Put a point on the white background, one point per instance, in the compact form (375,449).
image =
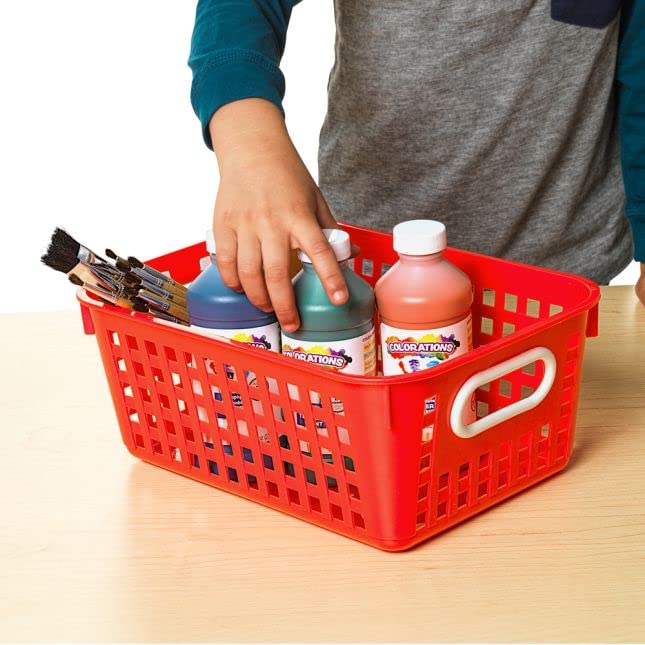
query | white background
(97,134)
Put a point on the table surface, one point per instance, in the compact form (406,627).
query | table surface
(95,545)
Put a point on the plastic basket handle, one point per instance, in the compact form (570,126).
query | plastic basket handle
(467,390)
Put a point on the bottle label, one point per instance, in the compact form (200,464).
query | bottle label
(267,337)
(352,356)
(406,351)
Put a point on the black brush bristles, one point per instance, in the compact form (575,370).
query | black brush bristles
(74,279)
(62,252)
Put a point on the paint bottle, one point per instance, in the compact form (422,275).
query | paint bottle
(424,302)
(337,337)
(220,311)
(212,306)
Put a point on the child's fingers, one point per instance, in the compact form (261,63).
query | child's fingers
(275,258)
(249,269)
(226,256)
(312,241)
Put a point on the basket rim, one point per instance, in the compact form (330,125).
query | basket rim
(586,304)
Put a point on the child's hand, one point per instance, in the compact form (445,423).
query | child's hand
(267,204)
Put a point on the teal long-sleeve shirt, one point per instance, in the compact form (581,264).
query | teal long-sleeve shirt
(237,46)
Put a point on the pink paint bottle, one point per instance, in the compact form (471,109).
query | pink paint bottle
(424,302)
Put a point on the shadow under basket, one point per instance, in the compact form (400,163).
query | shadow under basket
(383,460)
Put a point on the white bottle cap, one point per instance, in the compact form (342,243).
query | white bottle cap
(339,242)
(419,237)
(210,242)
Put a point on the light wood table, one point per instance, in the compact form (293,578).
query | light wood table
(97,546)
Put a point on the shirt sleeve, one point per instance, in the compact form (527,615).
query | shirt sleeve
(235,53)
(630,76)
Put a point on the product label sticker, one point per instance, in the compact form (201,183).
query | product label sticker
(406,351)
(352,356)
(267,337)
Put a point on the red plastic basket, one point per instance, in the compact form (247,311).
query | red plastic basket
(395,467)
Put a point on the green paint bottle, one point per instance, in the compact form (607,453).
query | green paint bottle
(337,337)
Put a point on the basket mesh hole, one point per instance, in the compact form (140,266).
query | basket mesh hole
(121,365)
(510,302)
(242,427)
(152,420)
(336,511)
(533,308)
(212,467)
(164,401)
(484,460)
(526,391)
(138,440)
(544,431)
(247,455)
(385,268)
(170,426)
(353,491)
(314,503)
(194,460)
(230,372)
(175,454)
(343,435)
(188,435)
(505,387)
(421,520)
(294,392)
(232,474)
(294,498)
(134,416)
(272,489)
(267,460)
(310,475)
(463,470)
(482,409)
(252,481)
(272,385)
(425,462)
(554,309)
(289,470)
(482,489)
(151,348)
(181,404)
(321,428)
(442,509)
(489,297)
(131,342)
(508,328)
(462,499)
(486,325)
(367,267)
(529,369)
(171,355)
(349,464)
(443,481)
(114,338)
(358,520)
(256,404)
(423,491)
(430,405)
(278,413)
(176,379)
(427,433)
(127,390)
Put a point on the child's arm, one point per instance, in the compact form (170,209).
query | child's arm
(267,202)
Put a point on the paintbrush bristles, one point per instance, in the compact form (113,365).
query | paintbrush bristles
(62,252)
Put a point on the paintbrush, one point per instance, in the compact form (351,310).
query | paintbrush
(104,294)
(163,306)
(147,273)
(143,308)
